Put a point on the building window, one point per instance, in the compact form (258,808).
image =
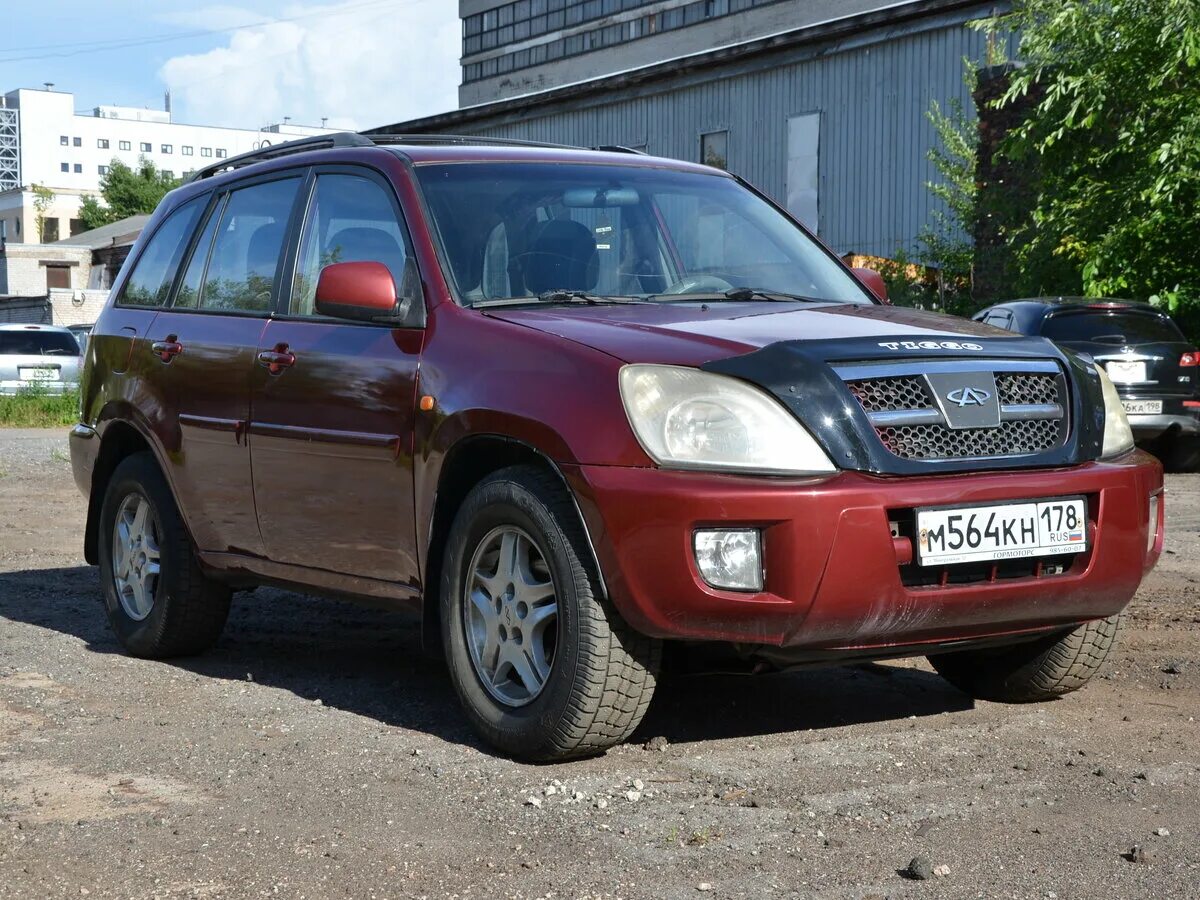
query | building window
(64,167)
(103,170)
(50,235)
(77,142)
(125,145)
(78,168)
(220,153)
(146,148)
(714,149)
(102,143)
(167,148)
(168,173)
(64,140)
(77,227)
(186,150)
(206,151)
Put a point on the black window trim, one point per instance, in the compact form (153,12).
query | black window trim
(219,197)
(296,234)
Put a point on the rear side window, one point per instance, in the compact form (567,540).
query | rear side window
(247,245)
(37,343)
(1116,328)
(150,281)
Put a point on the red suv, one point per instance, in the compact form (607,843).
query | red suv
(570,405)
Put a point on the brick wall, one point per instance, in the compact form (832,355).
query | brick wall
(25,311)
(23,267)
(76,307)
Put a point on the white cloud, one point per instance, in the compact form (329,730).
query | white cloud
(359,63)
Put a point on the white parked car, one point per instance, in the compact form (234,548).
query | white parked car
(34,357)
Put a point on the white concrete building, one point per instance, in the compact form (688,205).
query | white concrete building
(45,142)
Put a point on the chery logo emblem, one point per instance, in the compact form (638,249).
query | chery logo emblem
(968,397)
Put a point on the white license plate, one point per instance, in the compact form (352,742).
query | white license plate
(1142,407)
(1126,372)
(1007,531)
(25,373)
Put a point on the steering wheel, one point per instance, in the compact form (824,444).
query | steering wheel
(700,284)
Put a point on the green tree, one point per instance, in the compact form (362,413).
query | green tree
(1114,135)
(126,192)
(946,243)
(43,199)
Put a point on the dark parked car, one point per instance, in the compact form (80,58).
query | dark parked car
(1156,369)
(569,405)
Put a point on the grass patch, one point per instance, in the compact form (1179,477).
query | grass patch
(36,408)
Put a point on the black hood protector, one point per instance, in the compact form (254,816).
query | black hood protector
(801,375)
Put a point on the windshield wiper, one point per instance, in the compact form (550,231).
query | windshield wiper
(556,296)
(747,293)
(740,295)
(563,296)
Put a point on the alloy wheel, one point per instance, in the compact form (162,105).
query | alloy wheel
(511,616)
(135,558)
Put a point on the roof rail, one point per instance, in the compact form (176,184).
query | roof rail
(464,139)
(300,145)
(619,148)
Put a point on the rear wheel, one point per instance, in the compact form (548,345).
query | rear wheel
(1033,671)
(158,601)
(543,665)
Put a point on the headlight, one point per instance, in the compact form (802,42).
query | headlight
(1118,436)
(688,419)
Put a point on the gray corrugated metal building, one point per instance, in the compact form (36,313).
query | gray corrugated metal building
(828,118)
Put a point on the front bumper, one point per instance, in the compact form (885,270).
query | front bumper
(834,574)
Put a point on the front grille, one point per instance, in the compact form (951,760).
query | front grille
(900,402)
(882,394)
(1027,388)
(939,442)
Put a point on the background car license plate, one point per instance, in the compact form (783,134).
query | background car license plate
(25,373)
(1126,372)
(1142,407)
(1006,531)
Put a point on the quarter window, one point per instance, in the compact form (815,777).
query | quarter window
(350,219)
(247,247)
(150,281)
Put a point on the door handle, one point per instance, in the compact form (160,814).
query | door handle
(168,349)
(275,361)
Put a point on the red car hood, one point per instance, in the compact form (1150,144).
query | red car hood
(691,334)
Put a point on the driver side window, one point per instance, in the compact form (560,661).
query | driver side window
(350,219)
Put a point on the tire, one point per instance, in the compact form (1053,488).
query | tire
(178,612)
(598,675)
(1035,671)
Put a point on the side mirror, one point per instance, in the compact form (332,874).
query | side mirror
(366,292)
(873,282)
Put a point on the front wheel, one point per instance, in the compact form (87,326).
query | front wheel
(543,665)
(1038,670)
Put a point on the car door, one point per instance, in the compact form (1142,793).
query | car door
(204,346)
(334,401)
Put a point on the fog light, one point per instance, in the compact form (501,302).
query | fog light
(1152,525)
(730,559)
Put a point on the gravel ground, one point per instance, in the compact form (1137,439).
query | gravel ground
(315,753)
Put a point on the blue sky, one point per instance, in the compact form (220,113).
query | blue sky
(246,63)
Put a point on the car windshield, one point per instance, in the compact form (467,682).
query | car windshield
(1112,327)
(514,231)
(38,343)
